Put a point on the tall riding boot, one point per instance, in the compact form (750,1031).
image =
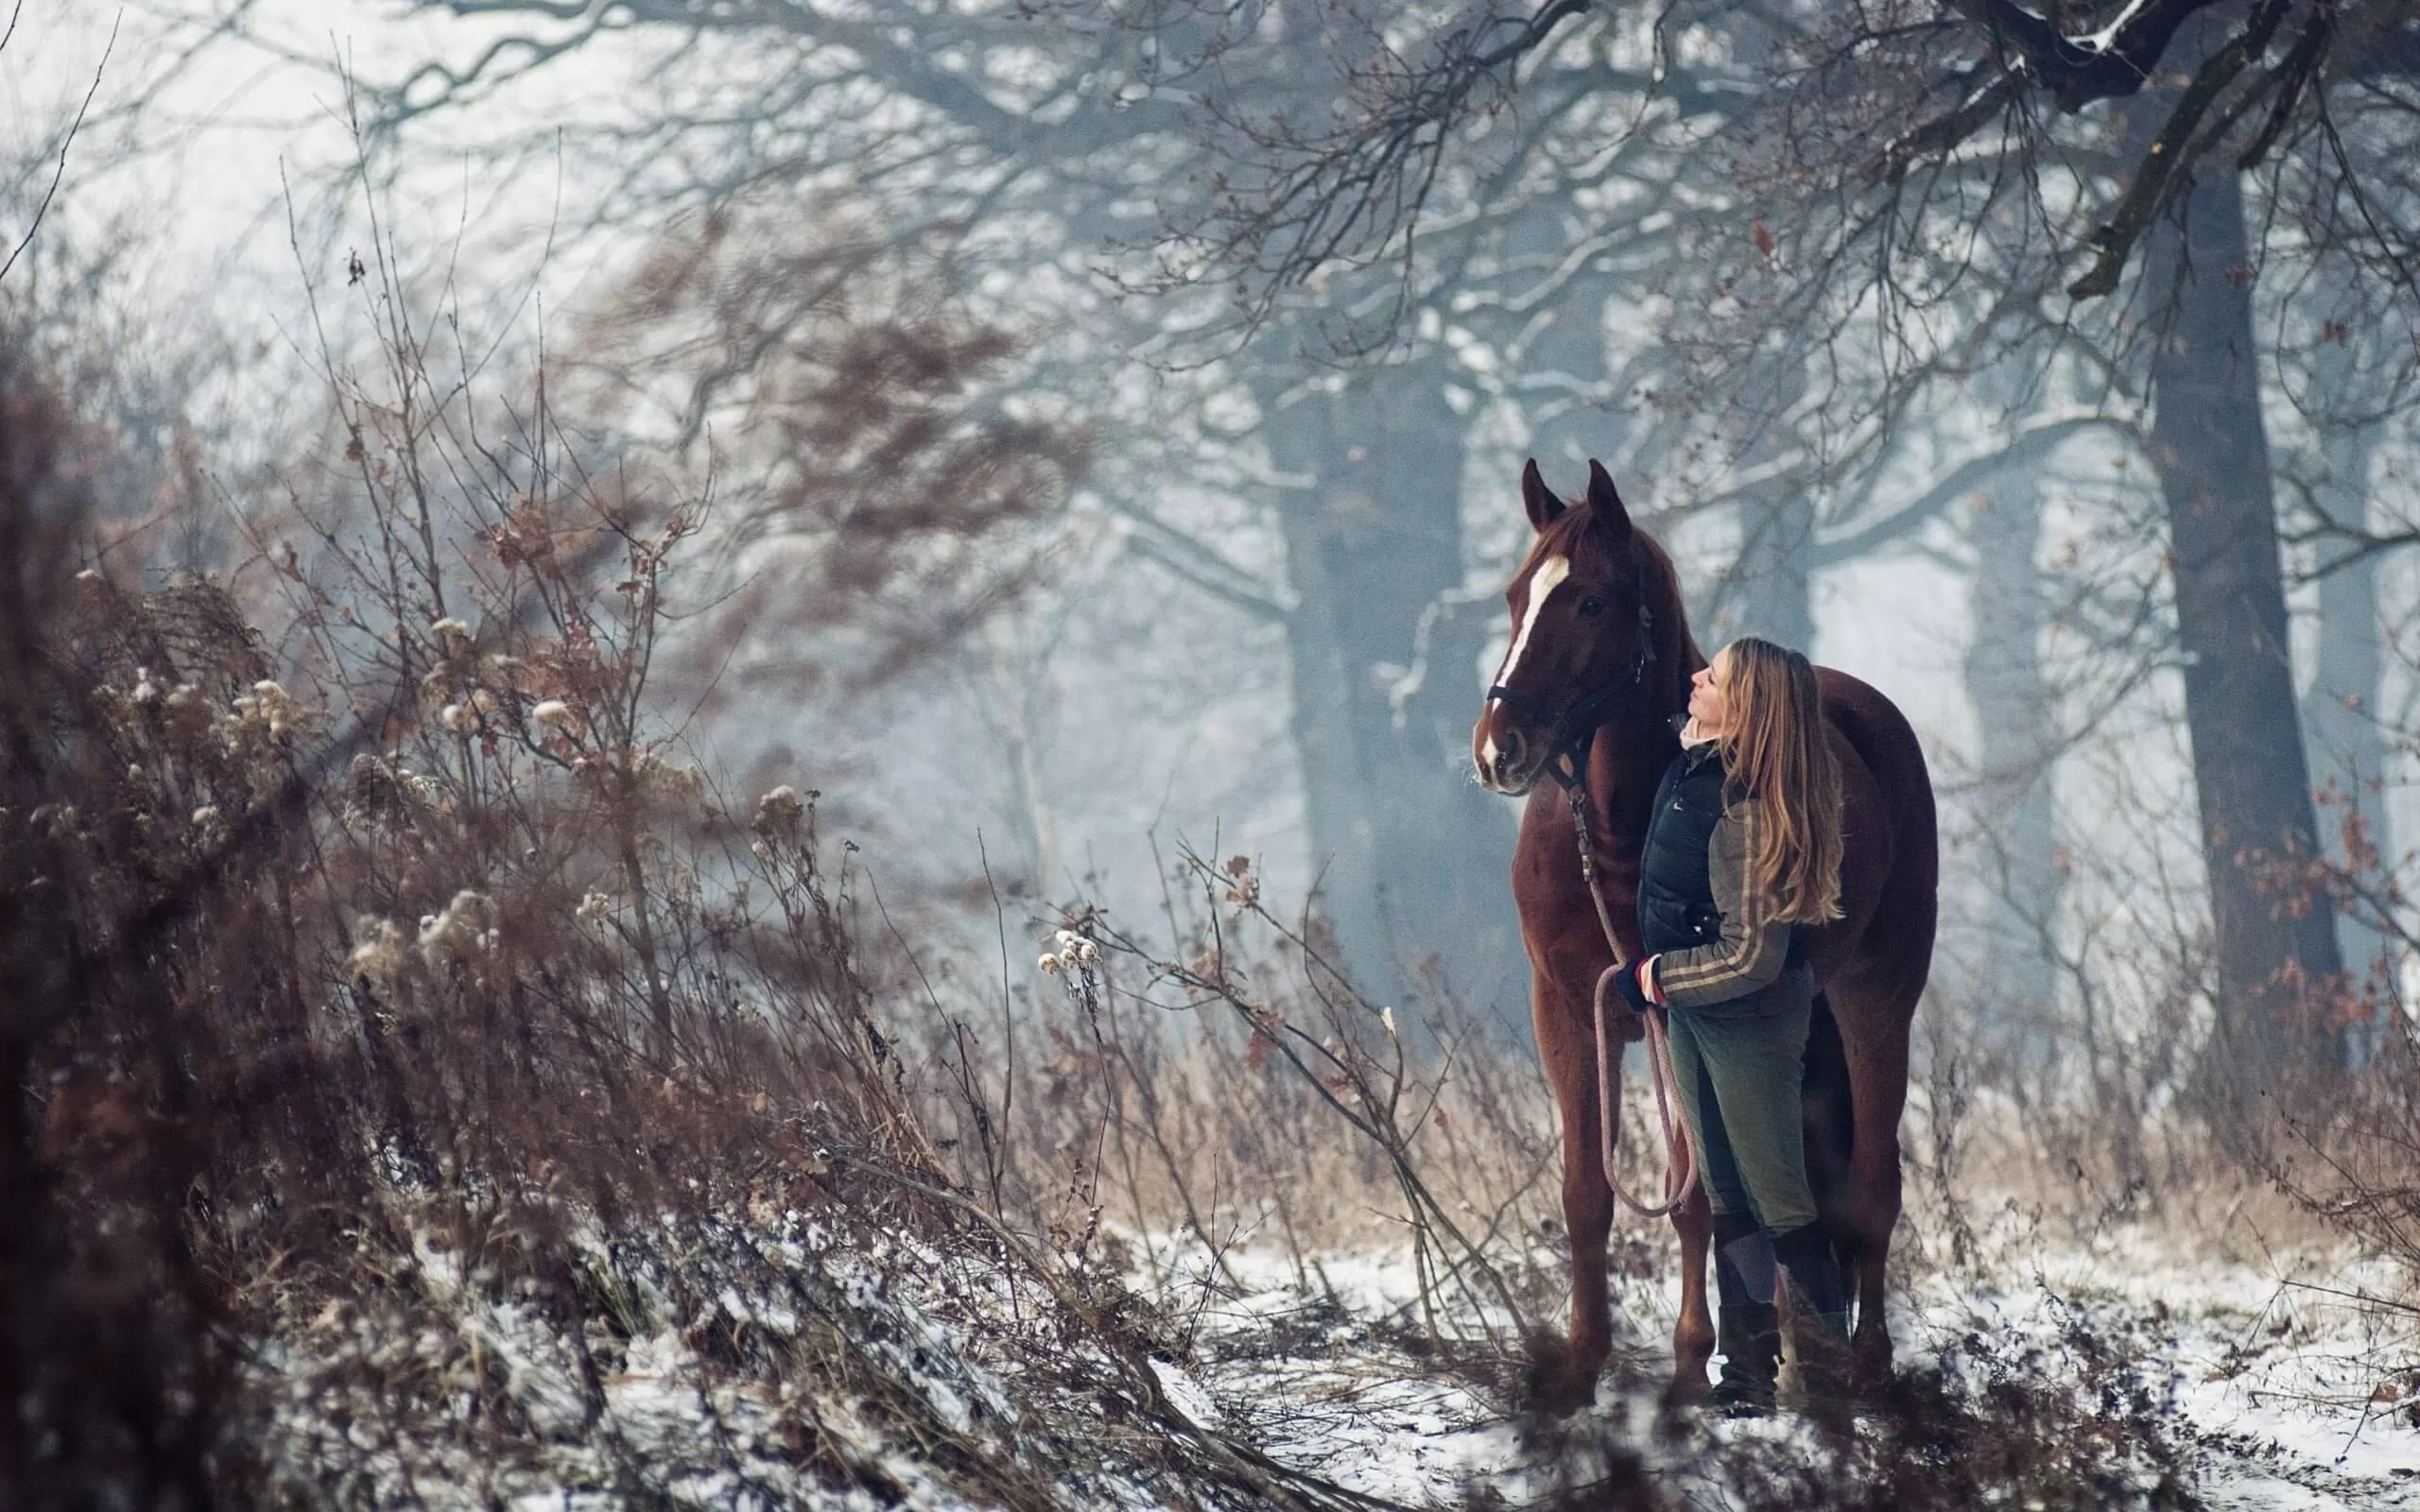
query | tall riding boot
(1748,1327)
(1820,1312)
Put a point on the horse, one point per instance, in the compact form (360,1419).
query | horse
(1590,691)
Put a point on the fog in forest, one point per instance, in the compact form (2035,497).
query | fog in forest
(1050,474)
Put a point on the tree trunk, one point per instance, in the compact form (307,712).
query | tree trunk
(2348,753)
(1414,858)
(2017,983)
(1335,805)
(1768,589)
(2276,944)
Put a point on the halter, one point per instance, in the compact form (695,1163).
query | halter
(1573,729)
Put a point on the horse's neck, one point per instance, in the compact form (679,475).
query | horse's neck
(1627,760)
(1625,763)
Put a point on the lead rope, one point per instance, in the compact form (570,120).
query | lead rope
(1680,1165)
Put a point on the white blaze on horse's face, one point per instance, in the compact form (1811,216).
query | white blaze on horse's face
(1543,582)
(1544,579)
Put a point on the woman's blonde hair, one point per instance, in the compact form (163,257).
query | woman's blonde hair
(1777,752)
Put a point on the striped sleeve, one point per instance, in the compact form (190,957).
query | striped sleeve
(1753,946)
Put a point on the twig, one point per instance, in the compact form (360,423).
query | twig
(74,126)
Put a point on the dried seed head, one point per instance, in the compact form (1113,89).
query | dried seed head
(375,793)
(188,716)
(465,931)
(270,709)
(780,812)
(380,955)
(661,779)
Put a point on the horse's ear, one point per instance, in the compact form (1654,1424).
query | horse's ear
(1544,508)
(1605,501)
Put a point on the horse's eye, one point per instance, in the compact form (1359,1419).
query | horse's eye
(1591,606)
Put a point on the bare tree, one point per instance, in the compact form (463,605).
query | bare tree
(2014,759)
(1918,191)
(1891,99)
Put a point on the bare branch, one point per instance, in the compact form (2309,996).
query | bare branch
(2030,445)
(1945,131)
(2106,65)
(2173,152)
(2289,78)
(1200,565)
(66,143)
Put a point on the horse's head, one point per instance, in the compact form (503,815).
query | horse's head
(1597,635)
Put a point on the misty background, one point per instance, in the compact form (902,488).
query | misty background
(1259,615)
(734,753)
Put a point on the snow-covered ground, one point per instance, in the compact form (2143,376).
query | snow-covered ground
(2273,1387)
(696,1362)
(768,1360)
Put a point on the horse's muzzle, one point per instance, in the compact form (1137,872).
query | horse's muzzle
(1506,763)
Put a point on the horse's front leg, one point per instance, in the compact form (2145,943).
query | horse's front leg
(1693,1334)
(1566,1043)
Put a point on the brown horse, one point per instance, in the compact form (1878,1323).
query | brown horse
(1599,668)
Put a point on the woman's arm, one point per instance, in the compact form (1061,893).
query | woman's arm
(1753,946)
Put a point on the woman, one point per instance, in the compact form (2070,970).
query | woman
(1743,856)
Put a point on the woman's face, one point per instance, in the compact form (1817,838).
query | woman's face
(1709,706)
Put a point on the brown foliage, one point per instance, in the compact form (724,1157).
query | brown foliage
(447,938)
(430,943)
(892,469)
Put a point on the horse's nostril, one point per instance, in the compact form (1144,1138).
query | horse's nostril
(1508,754)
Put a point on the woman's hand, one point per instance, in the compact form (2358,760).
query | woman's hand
(1635,983)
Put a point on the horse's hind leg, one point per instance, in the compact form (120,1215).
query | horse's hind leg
(1874,1041)
(1829,1125)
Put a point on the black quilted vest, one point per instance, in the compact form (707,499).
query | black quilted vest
(1676,907)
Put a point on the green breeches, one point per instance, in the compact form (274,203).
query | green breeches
(1740,1066)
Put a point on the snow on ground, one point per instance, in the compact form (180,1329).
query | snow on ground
(2296,1392)
(691,1363)
(2274,1386)
(778,1364)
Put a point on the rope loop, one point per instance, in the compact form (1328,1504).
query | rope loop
(1680,1162)
(1679,1158)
